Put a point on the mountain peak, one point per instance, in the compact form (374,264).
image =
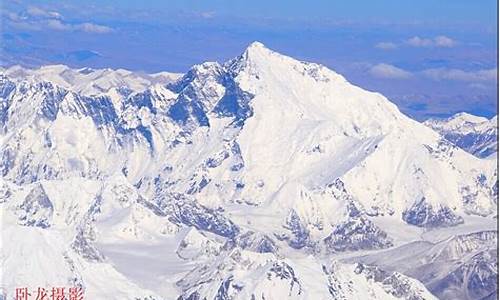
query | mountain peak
(466,117)
(256,45)
(256,50)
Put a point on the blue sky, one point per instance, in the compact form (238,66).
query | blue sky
(432,58)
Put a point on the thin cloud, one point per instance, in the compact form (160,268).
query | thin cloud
(417,41)
(386,46)
(35,18)
(58,25)
(207,14)
(476,78)
(14,17)
(479,86)
(86,27)
(444,41)
(440,41)
(93,28)
(388,71)
(39,12)
(461,75)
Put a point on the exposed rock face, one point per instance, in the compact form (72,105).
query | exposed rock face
(476,135)
(36,209)
(460,267)
(425,215)
(357,233)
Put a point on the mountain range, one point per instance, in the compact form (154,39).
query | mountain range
(262,177)
(476,135)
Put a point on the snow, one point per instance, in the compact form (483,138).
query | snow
(228,180)
(154,267)
(462,266)
(89,81)
(476,135)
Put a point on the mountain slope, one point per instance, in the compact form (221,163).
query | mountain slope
(460,267)
(475,135)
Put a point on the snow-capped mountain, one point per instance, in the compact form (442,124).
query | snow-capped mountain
(238,180)
(476,135)
(88,81)
(460,267)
